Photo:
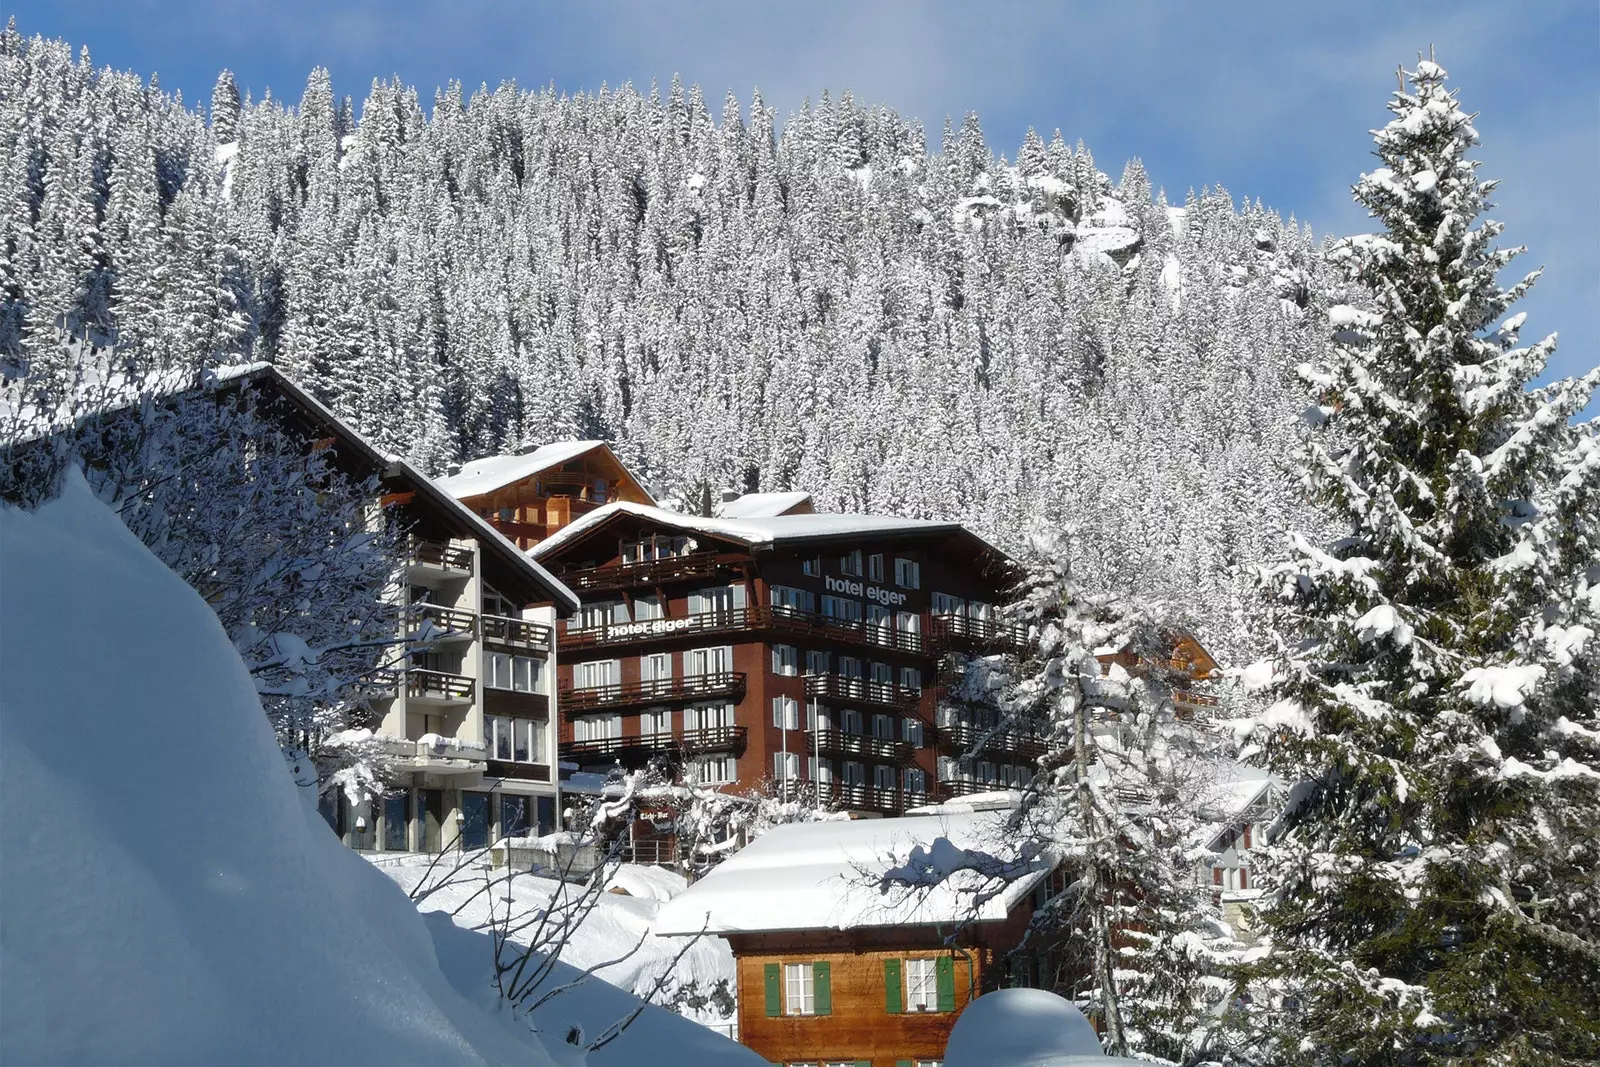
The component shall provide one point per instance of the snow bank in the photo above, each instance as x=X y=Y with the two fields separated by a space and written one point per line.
x=1023 y=1028
x=168 y=896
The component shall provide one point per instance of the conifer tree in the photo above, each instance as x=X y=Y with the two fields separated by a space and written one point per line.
x=1434 y=895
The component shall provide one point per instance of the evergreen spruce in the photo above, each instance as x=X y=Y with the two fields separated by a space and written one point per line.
x=1434 y=877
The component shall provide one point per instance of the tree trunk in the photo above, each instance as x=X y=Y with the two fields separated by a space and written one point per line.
x=1095 y=893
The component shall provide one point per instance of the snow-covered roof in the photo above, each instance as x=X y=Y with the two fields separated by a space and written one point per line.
x=766 y=530
x=494 y=472
x=824 y=876
x=762 y=505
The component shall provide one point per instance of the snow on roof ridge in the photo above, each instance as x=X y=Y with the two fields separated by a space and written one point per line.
x=488 y=473
x=765 y=530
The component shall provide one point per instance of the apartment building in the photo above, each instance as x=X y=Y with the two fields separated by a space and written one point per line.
x=791 y=648
x=468 y=710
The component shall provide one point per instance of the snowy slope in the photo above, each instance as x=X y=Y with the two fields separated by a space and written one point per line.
x=167 y=895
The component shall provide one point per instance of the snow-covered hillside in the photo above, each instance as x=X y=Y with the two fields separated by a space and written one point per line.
x=169 y=897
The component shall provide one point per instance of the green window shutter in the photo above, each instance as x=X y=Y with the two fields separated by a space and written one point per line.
x=902 y=1063
x=863 y=1063
x=894 y=997
x=822 y=986
x=944 y=973
x=774 y=983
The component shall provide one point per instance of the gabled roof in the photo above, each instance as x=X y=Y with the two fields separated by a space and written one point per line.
x=769 y=530
x=763 y=505
x=823 y=876
x=485 y=475
x=394 y=469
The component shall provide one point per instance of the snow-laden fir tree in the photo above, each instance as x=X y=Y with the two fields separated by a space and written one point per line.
x=1434 y=877
x=1120 y=794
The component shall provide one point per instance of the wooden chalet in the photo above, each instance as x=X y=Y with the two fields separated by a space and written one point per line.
x=831 y=967
x=530 y=495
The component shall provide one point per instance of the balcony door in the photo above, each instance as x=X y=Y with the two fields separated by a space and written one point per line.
x=718 y=600
x=597 y=674
x=655 y=672
x=596 y=727
x=707 y=716
x=656 y=722
x=698 y=662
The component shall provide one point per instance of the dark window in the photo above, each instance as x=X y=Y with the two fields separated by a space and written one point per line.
x=474 y=820
x=395 y=810
x=514 y=816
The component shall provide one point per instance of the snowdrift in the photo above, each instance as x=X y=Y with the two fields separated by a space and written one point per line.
x=168 y=896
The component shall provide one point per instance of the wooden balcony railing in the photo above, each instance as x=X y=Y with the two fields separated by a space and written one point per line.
x=977 y=635
x=676 y=743
x=837 y=689
x=448 y=623
x=517 y=633
x=440 y=555
x=869 y=798
x=966 y=787
x=1189 y=698
x=439 y=685
x=656 y=691
x=960 y=737
x=831 y=742
x=379 y=683
x=644 y=572
x=803 y=624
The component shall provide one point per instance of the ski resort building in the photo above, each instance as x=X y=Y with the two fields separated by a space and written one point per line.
x=793 y=649
x=835 y=967
x=529 y=495
x=468 y=714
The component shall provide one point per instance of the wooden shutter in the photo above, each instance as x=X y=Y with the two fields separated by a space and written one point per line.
x=893 y=992
x=774 y=983
x=902 y=1063
x=944 y=971
x=822 y=987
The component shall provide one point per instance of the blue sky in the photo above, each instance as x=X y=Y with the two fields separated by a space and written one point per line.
x=1272 y=100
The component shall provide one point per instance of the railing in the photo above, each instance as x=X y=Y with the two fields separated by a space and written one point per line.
x=624 y=694
x=379 y=682
x=644 y=572
x=966 y=787
x=451 y=622
x=712 y=739
x=1189 y=698
x=732 y=620
x=836 y=688
x=435 y=747
x=962 y=737
x=959 y=631
x=842 y=743
x=531 y=772
x=503 y=631
x=438 y=554
x=438 y=685
x=868 y=797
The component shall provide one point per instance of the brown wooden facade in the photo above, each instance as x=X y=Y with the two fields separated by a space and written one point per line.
x=533 y=507
x=706 y=621
x=869 y=1015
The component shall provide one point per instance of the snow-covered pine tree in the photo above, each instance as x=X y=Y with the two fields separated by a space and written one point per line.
x=1434 y=896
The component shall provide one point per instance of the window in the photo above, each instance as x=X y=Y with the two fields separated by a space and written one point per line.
x=883 y=777
x=785 y=767
x=656 y=722
x=911 y=678
x=601 y=613
x=883 y=674
x=707 y=716
x=656 y=667
x=908 y=622
x=495 y=604
x=788 y=600
x=854 y=774
x=875 y=566
x=849 y=667
x=915 y=780
x=506 y=671
x=850 y=721
x=497 y=734
x=516 y=818
x=945 y=604
x=647 y=548
x=977 y=609
x=985 y=771
x=922 y=987
x=911 y=731
x=883 y=727
x=879 y=620
x=785 y=660
x=597 y=674
x=702 y=661
x=907 y=574
x=786 y=713
x=521 y=740
x=716 y=600
x=851 y=564
x=711 y=770
x=822 y=770
x=596 y=727
x=800 y=991
x=834 y=607
x=812 y=567
x=646 y=608
x=817 y=662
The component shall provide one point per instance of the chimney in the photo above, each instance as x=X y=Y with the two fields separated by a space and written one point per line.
x=730 y=495
x=526 y=447
x=452 y=469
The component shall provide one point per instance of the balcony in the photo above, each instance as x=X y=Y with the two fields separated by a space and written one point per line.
x=438 y=688
x=868 y=798
x=527 y=772
x=837 y=689
x=436 y=754
x=802 y=624
x=433 y=561
x=830 y=742
x=966 y=787
x=516 y=634
x=974 y=635
x=960 y=738
x=380 y=683
x=1188 y=704
x=730 y=684
x=446 y=624
x=732 y=739
x=647 y=572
